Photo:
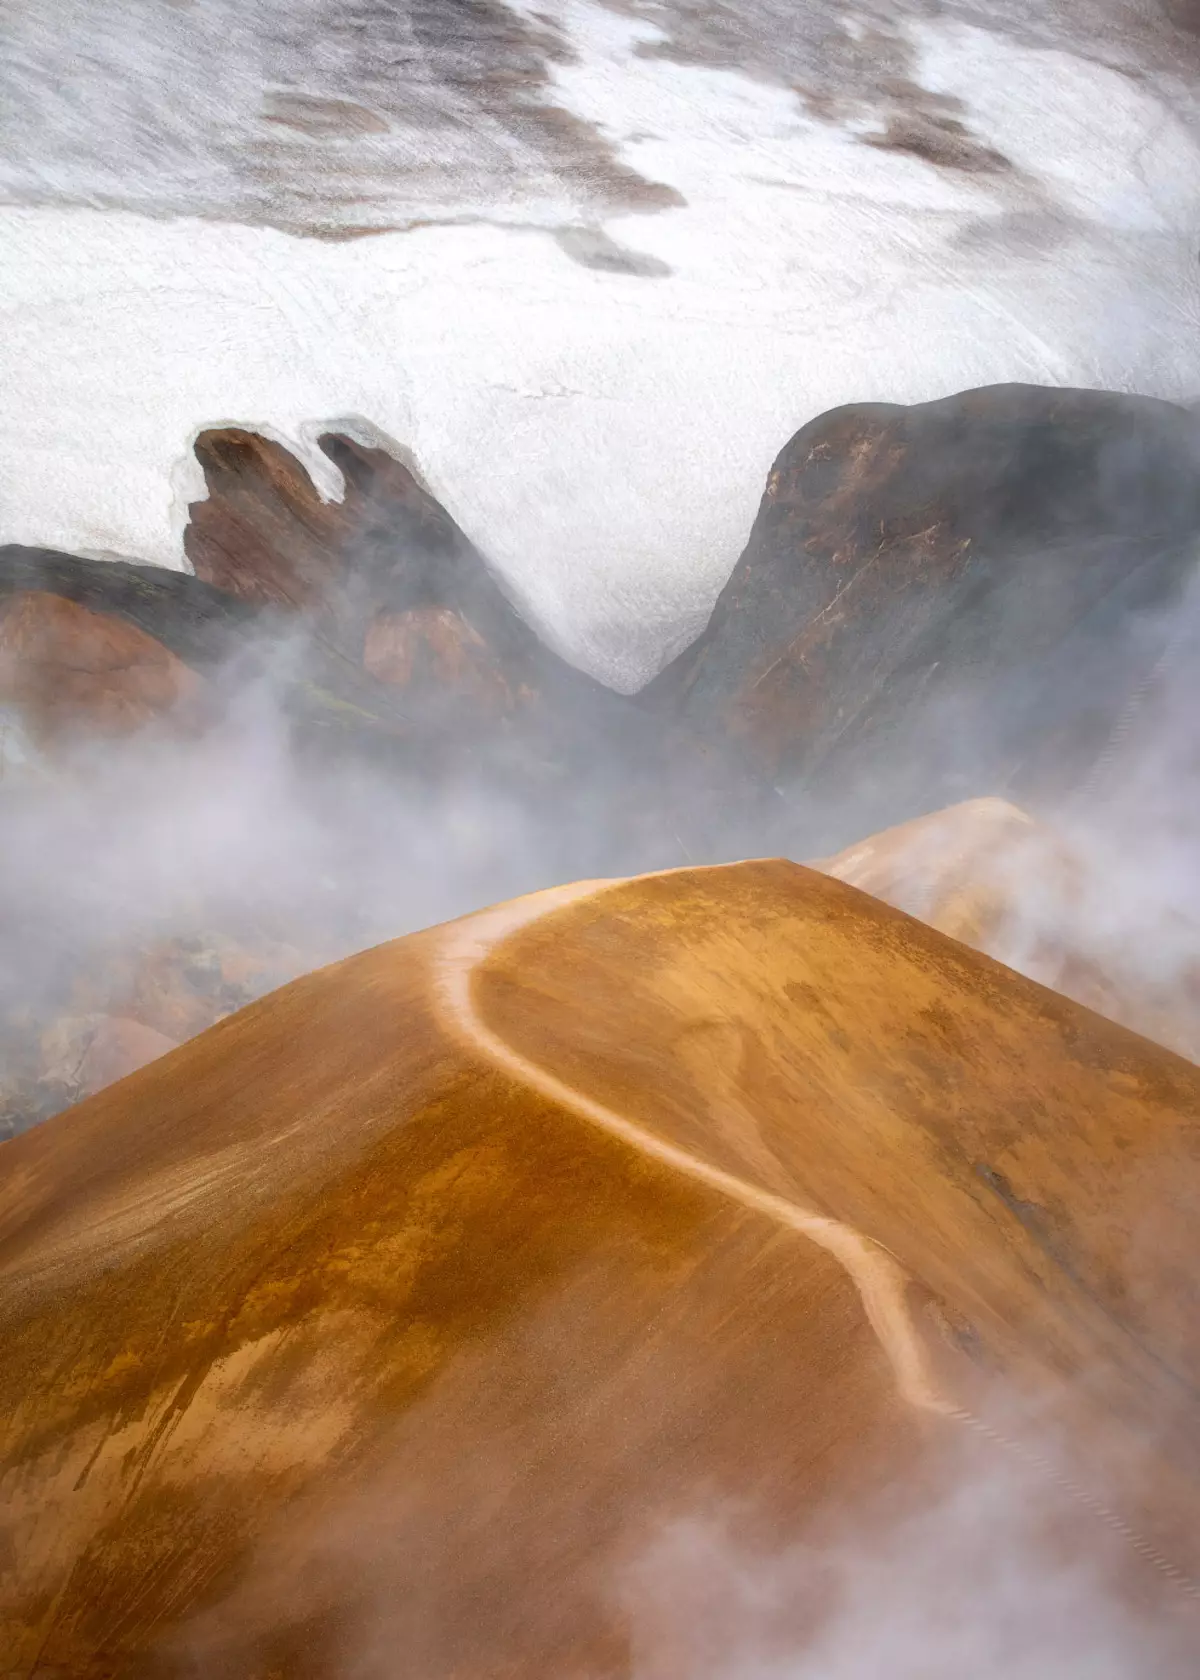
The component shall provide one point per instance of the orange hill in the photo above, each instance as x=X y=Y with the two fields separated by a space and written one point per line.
x=393 y=1313
x=988 y=874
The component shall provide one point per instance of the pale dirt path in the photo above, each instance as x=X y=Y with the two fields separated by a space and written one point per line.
x=875 y=1273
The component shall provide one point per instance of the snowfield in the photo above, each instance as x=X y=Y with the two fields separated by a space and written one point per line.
x=597 y=396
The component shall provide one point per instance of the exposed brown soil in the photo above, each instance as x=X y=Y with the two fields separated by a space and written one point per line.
x=378 y=1327
x=986 y=873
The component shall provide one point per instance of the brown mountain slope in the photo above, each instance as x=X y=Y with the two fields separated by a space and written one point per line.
x=948 y=597
x=375 y=1331
x=986 y=873
x=948 y=868
x=105 y=645
x=61 y=664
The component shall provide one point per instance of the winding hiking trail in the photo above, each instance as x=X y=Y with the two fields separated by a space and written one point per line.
x=875 y=1273
x=495 y=1242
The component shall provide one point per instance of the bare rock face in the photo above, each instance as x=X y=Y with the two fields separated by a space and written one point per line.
x=64 y=666
x=374 y=621
x=111 y=645
x=385 y=572
x=263 y=533
x=953 y=598
x=938 y=600
x=389 y=1327
x=941 y=601
x=387 y=583
x=433 y=645
x=986 y=873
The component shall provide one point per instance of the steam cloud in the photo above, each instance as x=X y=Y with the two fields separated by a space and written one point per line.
x=971 y=1586
x=240 y=831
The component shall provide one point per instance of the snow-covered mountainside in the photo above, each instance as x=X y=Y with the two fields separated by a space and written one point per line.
x=618 y=255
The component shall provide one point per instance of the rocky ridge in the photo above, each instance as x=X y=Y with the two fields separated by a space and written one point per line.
x=964 y=597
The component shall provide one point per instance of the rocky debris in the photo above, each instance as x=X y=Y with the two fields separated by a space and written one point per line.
x=938 y=600
x=984 y=872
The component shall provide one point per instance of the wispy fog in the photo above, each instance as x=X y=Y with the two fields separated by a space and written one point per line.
x=243 y=832
x=979 y=1582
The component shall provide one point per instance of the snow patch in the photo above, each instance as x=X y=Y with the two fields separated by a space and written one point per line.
x=604 y=437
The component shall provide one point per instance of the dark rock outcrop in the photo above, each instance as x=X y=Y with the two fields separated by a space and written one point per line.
x=946 y=600
x=385 y=573
x=202 y=626
x=450 y=704
x=937 y=602
x=263 y=533
x=388 y=582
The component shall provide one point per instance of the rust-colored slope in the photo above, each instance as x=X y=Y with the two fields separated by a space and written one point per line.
x=374 y=1330
x=946 y=868
x=64 y=665
x=988 y=874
